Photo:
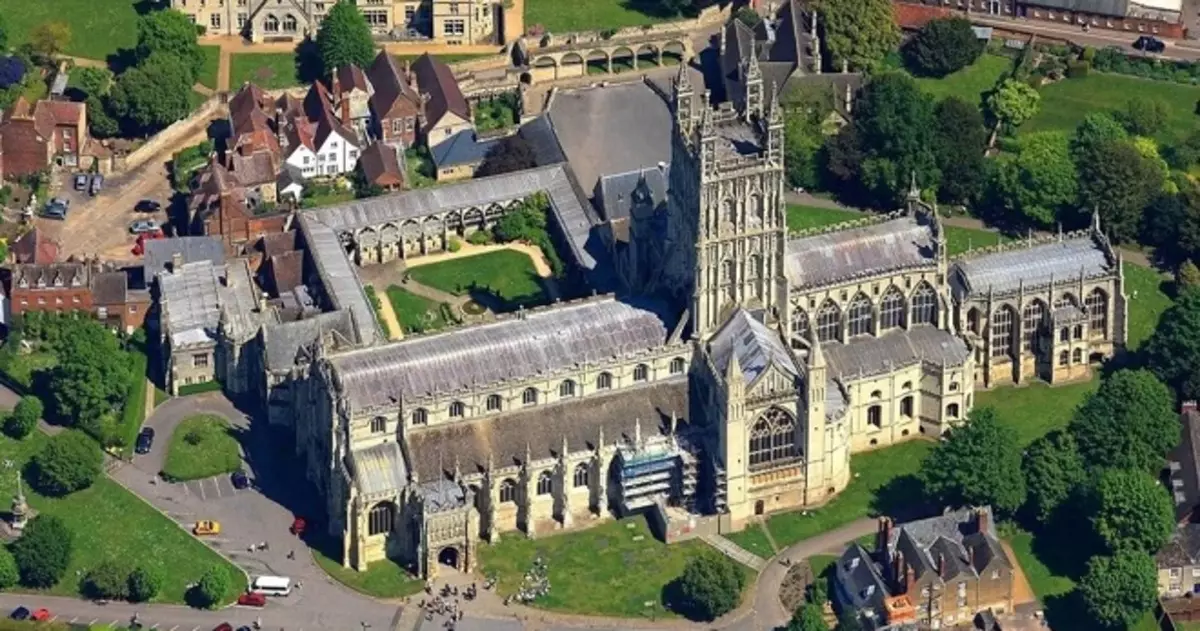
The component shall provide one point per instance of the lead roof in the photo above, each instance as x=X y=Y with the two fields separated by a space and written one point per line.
x=870 y=355
x=887 y=246
x=1010 y=270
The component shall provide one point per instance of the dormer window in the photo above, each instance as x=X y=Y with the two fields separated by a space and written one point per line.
x=58 y=281
x=75 y=282
x=24 y=283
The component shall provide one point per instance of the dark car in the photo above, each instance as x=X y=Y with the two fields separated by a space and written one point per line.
x=96 y=185
x=147 y=206
x=20 y=613
x=55 y=212
x=1150 y=44
x=145 y=440
x=243 y=629
x=81 y=182
x=224 y=626
x=239 y=479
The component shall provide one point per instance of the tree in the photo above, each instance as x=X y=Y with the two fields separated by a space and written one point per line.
x=344 y=38
x=1133 y=511
x=943 y=46
x=12 y=71
x=50 y=38
x=1116 y=179
x=363 y=188
x=860 y=34
x=1094 y=129
x=959 y=146
x=1188 y=276
x=1174 y=347
x=894 y=122
x=1053 y=470
x=9 y=574
x=69 y=461
x=1118 y=590
x=100 y=122
x=43 y=552
x=3 y=33
x=1129 y=423
x=109 y=579
x=24 y=417
x=808 y=618
x=93 y=384
x=1040 y=182
x=1144 y=116
x=213 y=586
x=1013 y=103
x=671 y=8
x=154 y=94
x=170 y=33
x=979 y=464
x=144 y=584
x=513 y=153
x=710 y=586
x=92 y=81
x=1171 y=222
x=803 y=119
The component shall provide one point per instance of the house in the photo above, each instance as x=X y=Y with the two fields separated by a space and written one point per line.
x=1155 y=17
x=47 y=134
x=460 y=156
x=237 y=212
x=446 y=110
x=934 y=572
x=351 y=92
x=116 y=304
x=34 y=247
x=318 y=143
x=1179 y=563
x=382 y=167
x=396 y=106
x=87 y=287
x=1183 y=468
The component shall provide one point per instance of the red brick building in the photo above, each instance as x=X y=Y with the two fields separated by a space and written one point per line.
x=85 y=287
x=396 y=106
x=48 y=133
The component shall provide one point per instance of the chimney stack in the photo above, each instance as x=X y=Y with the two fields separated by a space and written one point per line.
x=981 y=520
x=898 y=568
x=884 y=535
x=176 y=262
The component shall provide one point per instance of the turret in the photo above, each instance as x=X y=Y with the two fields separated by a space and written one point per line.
x=684 y=96
x=755 y=101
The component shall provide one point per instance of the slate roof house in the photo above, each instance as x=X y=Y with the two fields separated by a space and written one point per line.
x=446 y=109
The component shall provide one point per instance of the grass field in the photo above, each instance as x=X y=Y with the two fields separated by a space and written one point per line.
x=1036 y=409
x=416 y=314
x=801 y=217
x=202 y=446
x=98 y=27
x=502 y=280
x=613 y=569
x=585 y=15
x=446 y=59
x=268 y=71
x=495 y=114
x=959 y=239
x=212 y=59
x=1148 y=299
x=1065 y=103
x=753 y=539
x=383 y=579
x=971 y=82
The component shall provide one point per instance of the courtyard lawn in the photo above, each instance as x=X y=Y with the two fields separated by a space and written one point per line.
x=1036 y=409
x=133 y=414
x=585 y=15
x=970 y=83
x=613 y=569
x=1148 y=299
x=885 y=484
x=202 y=446
x=268 y=71
x=212 y=59
x=383 y=579
x=417 y=314
x=99 y=28
x=801 y=217
x=501 y=280
x=497 y=113
x=109 y=522
x=960 y=240
x=1065 y=103
x=753 y=539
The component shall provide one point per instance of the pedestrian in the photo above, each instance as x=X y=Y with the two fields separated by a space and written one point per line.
x=292 y=555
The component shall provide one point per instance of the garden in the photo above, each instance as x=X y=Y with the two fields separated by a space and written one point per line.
x=201 y=447
x=418 y=314
x=101 y=27
x=502 y=280
x=500 y=112
x=587 y=15
x=268 y=71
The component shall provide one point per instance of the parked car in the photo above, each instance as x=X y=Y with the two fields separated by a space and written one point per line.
x=41 y=615
x=81 y=182
x=20 y=613
x=147 y=206
x=224 y=626
x=243 y=628
x=207 y=527
x=55 y=212
x=298 y=526
x=143 y=225
x=252 y=599
x=240 y=480
x=145 y=440
x=1150 y=44
x=97 y=184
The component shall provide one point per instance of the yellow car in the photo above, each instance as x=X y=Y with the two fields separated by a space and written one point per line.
x=207 y=527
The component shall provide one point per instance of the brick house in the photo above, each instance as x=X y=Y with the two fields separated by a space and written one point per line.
x=87 y=287
x=396 y=106
x=34 y=247
x=223 y=206
x=45 y=134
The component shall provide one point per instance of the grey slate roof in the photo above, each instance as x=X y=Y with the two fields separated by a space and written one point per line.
x=888 y=246
x=754 y=344
x=617 y=194
x=200 y=296
x=532 y=343
x=338 y=278
x=379 y=469
x=159 y=252
x=284 y=340
x=1185 y=466
x=1036 y=266
x=877 y=355
x=947 y=538
x=461 y=148
x=860 y=579
x=441 y=495
x=1183 y=549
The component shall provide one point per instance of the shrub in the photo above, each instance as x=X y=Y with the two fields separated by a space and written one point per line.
x=484 y=237
x=69 y=462
x=454 y=245
x=213 y=587
x=43 y=552
x=24 y=417
x=144 y=584
x=9 y=574
x=110 y=579
x=943 y=46
x=710 y=586
x=1078 y=69
x=1088 y=54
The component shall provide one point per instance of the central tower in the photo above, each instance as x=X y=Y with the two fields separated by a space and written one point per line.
x=727 y=225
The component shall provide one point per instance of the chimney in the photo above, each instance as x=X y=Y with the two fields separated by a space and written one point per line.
x=262 y=302
x=971 y=556
x=884 y=535
x=898 y=567
x=910 y=577
x=176 y=262
x=981 y=520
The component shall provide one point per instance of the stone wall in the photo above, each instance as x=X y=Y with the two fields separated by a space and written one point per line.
x=173 y=136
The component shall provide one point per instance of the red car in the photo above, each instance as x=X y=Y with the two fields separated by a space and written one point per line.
x=41 y=615
x=224 y=626
x=298 y=526
x=252 y=599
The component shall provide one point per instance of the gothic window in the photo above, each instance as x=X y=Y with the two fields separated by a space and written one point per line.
x=380 y=519
x=924 y=305
x=973 y=320
x=891 y=312
x=457 y=409
x=494 y=403
x=727 y=212
x=641 y=372
x=566 y=388
x=289 y=23
x=420 y=417
x=677 y=365
x=1065 y=334
x=1065 y=300
x=1097 y=308
x=1032 y=320
x=545 y=483
x=859 y=315
x=875 y=416
x=508 y=491
x=1062 y=358
x=271 y=24
x=799 y=323
x=829 y=322
x=726 y=271
x=1002 y=331
x=529 y=396
x=772 y=439
x=582 y=474
x=1077 y=356
x=378 y=425
x=906 y=407
x=1079 y=331
x=603 y=381
x=753 y=267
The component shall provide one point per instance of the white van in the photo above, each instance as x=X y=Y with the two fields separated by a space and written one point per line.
x=271 y=585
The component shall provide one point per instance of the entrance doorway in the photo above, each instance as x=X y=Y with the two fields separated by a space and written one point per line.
x=449 y=556
x=759 y=508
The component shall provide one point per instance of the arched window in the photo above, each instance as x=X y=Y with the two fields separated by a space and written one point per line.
x=1097 y=308
x=582 y=474
x=457 y=409
x=1065 y=300
x=1065 y=334
x=924 y=305
x=603 y=381
x=529 y=396
x=1077 y=356
x=420 y=417
x=875 y=416
x=1079 y=331
x=494 y=403
x=973 y=320
x=677 y=365
x=829 y=322
x=1062 y=358
x=1031 y=325
x=876 y=395
x=906 y=407
x=1002 y=331
x=799 y=322
x=753 y=267
x=726 y=271
x=508 y=491
x=545 y=483
x=271 y=24
x=380 y=519
x=641 y=372
x=891 y=310
x=952 y=410
x=859 y=315
x=289 y=23
x=727 y=212
x=566 y=388
x=378 y=425
x=772 y=438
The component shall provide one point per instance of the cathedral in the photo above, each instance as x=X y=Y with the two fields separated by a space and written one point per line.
x=734 y=376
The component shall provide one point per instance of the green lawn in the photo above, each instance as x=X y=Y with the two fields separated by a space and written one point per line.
x=22 y=367
x=326 y=197
x=1149 y=304
x=160 y=396
x=109 y=522
x=383 y=579
x=1036 y=409
x=98 y=27
x=200 y=388
x=446 y=59
x=613 y=569
x=801 y=217
x=266 y=70
x=754 y=540
x=884 y=485
x=133 y=414
x=1065 y=103
x=502 y=279
x=212 y=59
x=202 y=446
x=584 y=15
x=959 y=240
x=416 y=314
x=971 y=82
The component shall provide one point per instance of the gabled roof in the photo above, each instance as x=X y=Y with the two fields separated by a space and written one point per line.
x=255 y=169
x=1185 y=465
x=50 y=114
x=874 y=355
x=619 y=193
x=1007 y=271
x=34 y=247
x=350 y=77
x=755 y=345
x=391 y=87
x=51 y=276
x=461 y=148
x=838 y=255
x=949 y=545
x=435 y=79
x=381 y=166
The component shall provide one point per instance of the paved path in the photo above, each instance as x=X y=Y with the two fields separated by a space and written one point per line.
x=734 y=551
x=395 y=331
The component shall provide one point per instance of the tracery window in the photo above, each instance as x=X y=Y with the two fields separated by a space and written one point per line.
x=641 y=372
x=508 y=491
x=1002 y=331
x=973 y=320
x=1033 y=319
x=829 y=322
x=772 y=439
x=545 y=483
x=859 y=315
x=566 y=388
x=380 y=519
x=891 y=312
x=1065 y=300
x=1097 y=308
x=582 y=475
x=924 y=305
x=799 y=322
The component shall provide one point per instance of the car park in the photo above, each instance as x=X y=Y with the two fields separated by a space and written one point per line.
x=20 y=613
x=207 y=527
x=147 y=206
x=143 y=225
x=145 y=440
x=252 y=599
x=1149 y=44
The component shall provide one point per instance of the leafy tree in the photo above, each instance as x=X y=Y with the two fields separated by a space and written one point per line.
x=979 y=464
x=1013 y=103
x=144 y=584
x=9 y=574
x=1129 y=423
x=363 y=188
x=12 y=71
x=1040 y=181
x=1118 y=590
x=213 y=586
x=808 y=618
x=959 y=146
x=943 y=46
x=100 y=122
x=803 y=119
x=1185 y=153
x=1174 y=348
x=1133 y=511
x=894 y=124
x=92 y=81
x=1171 y=222
x=1188 y=275
x=344 y=38
x=1053 y=470
x=1117 y=179
x=50 y=39
x=154 y=94
x=3 y=33
x=43 y=552
x=1148 y=149
x=817 y=592
x=1144 y=116
x=172 y=33
x=109 y=579
x=67 y=463
x=670 y=8
x=1094 y=129
x=513 y=153
x=859 y=33
x=24 y=417
x=710 y=586
x=96 y=379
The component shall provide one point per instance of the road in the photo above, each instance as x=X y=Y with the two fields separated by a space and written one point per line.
x=1182 y=49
